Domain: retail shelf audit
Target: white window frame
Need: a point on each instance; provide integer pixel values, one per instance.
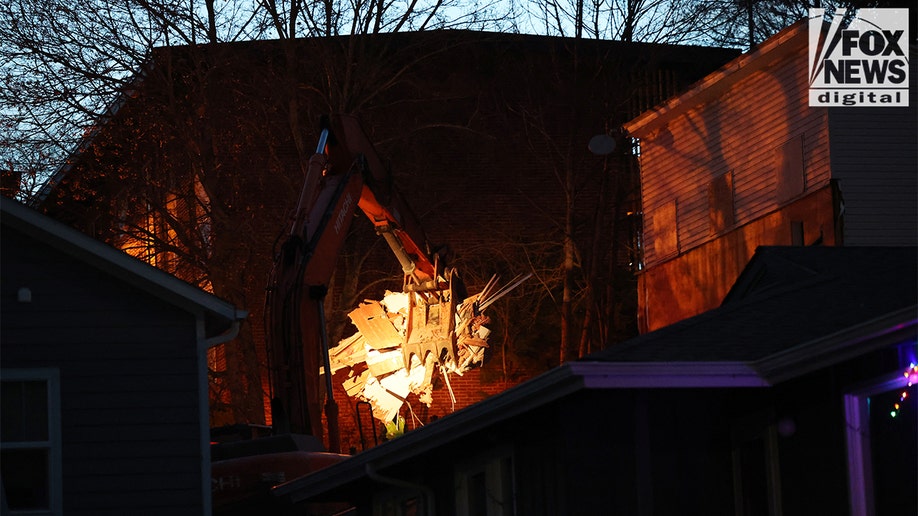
(857, 431)
(53, 444)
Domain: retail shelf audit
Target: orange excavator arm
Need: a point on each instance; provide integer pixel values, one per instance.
(345, 173)
(381, 202)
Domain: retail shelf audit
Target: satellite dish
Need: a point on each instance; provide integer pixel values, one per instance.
(602, 144)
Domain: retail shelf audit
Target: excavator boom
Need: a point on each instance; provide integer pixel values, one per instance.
(345, 174)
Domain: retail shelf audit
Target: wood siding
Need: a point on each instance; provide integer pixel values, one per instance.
(746, 132)
(129, 381)
(699, 279)
(760, 132)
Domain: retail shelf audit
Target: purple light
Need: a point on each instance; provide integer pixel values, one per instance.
(912, 374)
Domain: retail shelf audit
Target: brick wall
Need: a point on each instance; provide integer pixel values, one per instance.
(468, 389)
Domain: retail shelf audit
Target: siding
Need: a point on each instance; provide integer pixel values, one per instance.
(130, 418)
(700, 278)
(875, 158)
(740, 132)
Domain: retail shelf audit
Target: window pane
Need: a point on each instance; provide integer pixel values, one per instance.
(790, 169)
(25, 478)
(11, 408)
(25, 411)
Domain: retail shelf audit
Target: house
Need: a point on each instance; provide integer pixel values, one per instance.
(781, 401)
(103, 374)
(740, 161)
(487, 137)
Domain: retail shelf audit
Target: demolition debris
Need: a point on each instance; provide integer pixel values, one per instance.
(401, 343)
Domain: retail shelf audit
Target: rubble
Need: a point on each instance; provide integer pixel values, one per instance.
(400, 344)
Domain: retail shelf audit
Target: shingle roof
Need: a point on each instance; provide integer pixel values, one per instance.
(771, 307)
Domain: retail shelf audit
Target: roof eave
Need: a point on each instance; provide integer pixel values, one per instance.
(543, 389)
(661, 375)
(127, 268)
(550, 386)
(840, 346)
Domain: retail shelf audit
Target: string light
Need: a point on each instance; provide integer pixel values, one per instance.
(911, 374)
(911, 378)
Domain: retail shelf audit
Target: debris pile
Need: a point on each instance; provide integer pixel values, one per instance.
(402, 341)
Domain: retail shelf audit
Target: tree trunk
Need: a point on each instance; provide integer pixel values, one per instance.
(567, 267)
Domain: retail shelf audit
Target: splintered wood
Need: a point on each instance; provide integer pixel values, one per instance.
(401, 343)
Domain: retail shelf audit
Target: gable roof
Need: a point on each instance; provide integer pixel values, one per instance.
(219, 315)
(816, 307)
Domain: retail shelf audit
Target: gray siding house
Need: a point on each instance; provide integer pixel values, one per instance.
(104, 376)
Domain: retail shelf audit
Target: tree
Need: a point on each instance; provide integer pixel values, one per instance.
(70, 70)
(168, 177)
(656, 21)
(746, 23)
(65, 64)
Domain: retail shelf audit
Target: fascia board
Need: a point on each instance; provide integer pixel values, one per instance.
(117, 263)
(539, 391)
(550, 386)
(840, 346)
(574, 376)
(672, 375)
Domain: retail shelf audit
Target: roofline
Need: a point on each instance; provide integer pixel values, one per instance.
(663, 375)
(715, 83)
(135, 272)
(550, 386)
(111, 110)
(570, 377)
(842, 345)
(544, 388)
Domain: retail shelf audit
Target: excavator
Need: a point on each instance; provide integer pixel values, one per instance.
(345, 174)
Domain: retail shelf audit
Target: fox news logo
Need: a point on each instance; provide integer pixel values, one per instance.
(863, 64)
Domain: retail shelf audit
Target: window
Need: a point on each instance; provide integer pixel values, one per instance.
(797, 234)
(882, 447)
(484, 486)
(665, 230)
(30, 441)
(756, 467)
(720, 203)
(634, 226)
(789, 166)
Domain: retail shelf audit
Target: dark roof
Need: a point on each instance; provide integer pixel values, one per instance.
(785, 297)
